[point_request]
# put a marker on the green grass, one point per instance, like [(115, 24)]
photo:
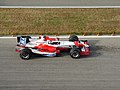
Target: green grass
[(59, 21)]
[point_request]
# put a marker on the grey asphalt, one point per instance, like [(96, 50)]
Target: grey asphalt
[(99, 71), (60, 2)]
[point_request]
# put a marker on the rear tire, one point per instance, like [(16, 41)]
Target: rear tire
[(75, 53), (25, 54)]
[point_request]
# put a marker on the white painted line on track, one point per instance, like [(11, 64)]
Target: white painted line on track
[(59, 6), (91, 36), (67, 37), (7, 37)]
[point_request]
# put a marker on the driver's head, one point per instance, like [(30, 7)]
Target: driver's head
[(41, 37)]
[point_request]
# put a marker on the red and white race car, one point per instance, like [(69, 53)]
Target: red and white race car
[(51, 47)]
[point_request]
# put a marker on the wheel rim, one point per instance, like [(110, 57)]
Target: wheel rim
[(25, 55), (75, 54)]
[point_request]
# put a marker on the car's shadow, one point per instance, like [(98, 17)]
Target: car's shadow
[(95, 50)]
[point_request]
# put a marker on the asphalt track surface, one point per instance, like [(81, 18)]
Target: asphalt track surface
[(60, 2), (99, 71)]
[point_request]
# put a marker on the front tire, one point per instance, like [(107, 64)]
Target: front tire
[(73, 38), (25, 54), (75, 53)]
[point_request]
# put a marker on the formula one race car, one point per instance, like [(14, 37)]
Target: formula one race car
[(47, 46)]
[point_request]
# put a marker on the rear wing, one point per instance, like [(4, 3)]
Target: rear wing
[(23, 40)]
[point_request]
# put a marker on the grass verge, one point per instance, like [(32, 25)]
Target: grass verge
[(59, 21)]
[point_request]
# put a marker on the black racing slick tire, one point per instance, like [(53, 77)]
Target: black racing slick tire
[(25, 54), (73, 38), (75, 53)]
